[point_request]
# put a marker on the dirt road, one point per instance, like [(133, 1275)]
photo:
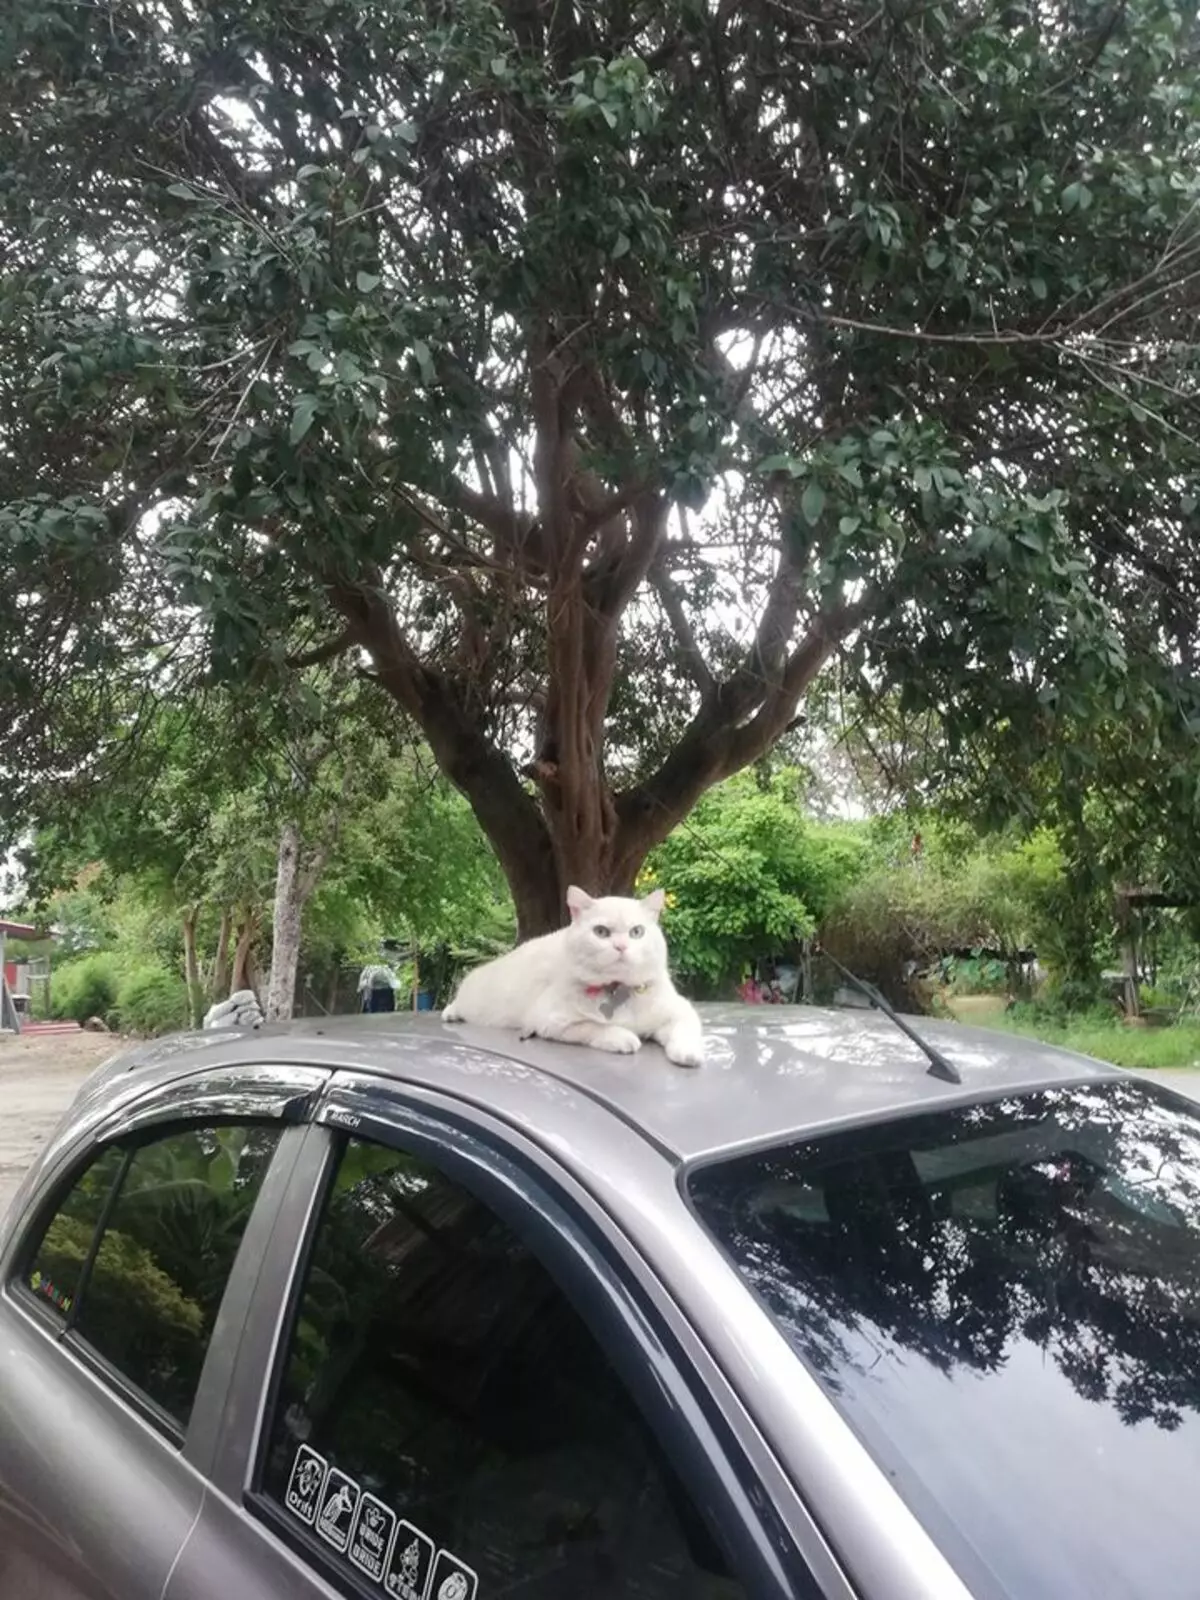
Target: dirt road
[(37, 1079)]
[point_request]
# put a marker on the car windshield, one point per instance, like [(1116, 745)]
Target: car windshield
[(1003, 1300)]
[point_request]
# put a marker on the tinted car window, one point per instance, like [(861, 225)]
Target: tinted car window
[(1004, 1301), (447, 1421), (144, 1292), (56, 1265)]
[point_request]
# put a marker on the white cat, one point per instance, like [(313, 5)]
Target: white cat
[(602, 981)]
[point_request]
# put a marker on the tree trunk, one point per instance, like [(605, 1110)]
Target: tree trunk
[(242, 976), (285, 933), (1127, 936), (576, 829), (191, 967), (295, 880), (221, 973)]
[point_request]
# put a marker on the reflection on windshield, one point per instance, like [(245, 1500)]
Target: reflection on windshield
[(1005, 1302)]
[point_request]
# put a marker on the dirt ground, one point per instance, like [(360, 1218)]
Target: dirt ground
[(38, 1076)]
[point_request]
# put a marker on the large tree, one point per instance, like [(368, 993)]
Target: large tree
[(596, 372)]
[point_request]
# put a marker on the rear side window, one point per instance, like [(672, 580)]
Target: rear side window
[(136, 1258), (56, 1265)]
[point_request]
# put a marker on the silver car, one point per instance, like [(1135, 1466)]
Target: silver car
[(381, 1307)]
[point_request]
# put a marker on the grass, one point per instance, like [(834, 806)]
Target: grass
[(1175, 1046)]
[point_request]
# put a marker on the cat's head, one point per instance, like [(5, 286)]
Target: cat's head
[(615, 940)]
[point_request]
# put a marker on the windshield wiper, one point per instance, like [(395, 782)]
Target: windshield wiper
[(940, 1066)]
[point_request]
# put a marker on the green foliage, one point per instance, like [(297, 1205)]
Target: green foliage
[(133, 997), (747, 876), (965, 894), (903, 299), (417, 856), (82, 918), (151, 1000), (87, 987), (976, 975)]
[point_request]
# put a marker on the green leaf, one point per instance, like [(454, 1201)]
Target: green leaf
[(794, 468), (366, 281), (424, 359), (923, 478), (812, 502), (848, 525), (302, 418), (621, 247)]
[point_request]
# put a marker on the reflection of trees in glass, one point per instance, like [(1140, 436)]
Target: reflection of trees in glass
[(126, 1274), (1069, 1219), (160, 1271), (399, 1246), (187, 1200)]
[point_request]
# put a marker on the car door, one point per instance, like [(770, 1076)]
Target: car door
[(117, 1330), (459, 1393)]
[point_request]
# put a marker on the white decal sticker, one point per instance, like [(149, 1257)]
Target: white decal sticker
[(412, 1562), (452, 1579), (338, 1505), (372, 1537), (305, 1484)]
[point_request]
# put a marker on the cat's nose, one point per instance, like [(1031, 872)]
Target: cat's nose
[(620, 948)]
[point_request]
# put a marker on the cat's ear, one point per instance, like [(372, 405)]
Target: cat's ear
[(654, 902), (577, 901)]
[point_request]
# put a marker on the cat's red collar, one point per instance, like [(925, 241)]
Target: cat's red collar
[(593, 989)]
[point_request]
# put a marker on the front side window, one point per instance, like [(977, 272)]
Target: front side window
[(1004, 1301), (136, 1257), (447, 1424)]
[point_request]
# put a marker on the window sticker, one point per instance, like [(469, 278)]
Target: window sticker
[(339, 1502), (411, 1563), (48, 1290), (305, 1484), (452, 1579), (372, 1537)]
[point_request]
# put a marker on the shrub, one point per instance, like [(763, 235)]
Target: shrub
[(151, 1000), (977, 975), (86, 987), (747, 875)]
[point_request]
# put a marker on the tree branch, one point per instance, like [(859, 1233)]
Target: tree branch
[(722, 738), (506, 812), (685, 636), (329, 651)]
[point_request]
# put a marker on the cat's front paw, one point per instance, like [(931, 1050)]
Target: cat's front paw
[(685, 1048), (621, 1041)]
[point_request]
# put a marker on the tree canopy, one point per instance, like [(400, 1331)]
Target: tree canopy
[(594, 375)]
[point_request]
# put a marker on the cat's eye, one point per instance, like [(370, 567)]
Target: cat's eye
[(600, 931), (636, 931)]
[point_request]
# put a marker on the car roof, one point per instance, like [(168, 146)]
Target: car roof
[(769, 1072)]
